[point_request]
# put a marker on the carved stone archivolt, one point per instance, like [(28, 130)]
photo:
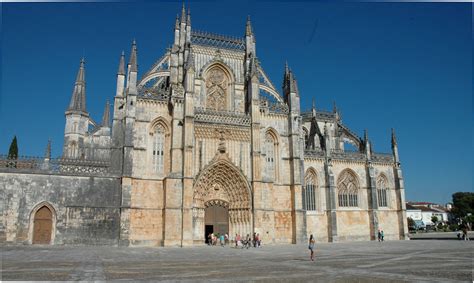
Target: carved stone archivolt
[(218, 202), (222, 183)]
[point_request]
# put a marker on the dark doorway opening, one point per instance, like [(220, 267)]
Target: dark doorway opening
[(208, 230)]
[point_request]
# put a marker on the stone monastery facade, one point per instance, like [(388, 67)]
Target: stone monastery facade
[(203, 142)]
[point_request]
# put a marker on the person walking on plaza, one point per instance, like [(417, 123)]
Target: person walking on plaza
[(237, 240), (464, 234), (311, 246), (381, 235)]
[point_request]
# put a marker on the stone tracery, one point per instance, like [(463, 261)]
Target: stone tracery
[(216, 85), (348, 189)]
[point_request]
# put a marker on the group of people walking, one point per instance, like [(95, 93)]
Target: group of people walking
[(212, 239), (248, 241), (240, 242)]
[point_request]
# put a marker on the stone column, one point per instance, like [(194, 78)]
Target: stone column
[(373, 204)]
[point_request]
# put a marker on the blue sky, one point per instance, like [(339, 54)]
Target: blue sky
[(401, 65)]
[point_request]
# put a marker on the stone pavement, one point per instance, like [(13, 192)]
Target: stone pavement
[(392, 261)]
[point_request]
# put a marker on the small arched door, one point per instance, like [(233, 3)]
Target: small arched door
[(42, 226)]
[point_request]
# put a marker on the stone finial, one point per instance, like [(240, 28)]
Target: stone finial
[(248, 28), (47, 152), (176, 24), (313, 109), (106, 116), (78, 99), (133, 57), (188, 19), (183, 14), (394, 138), (121, 68), (293, 83)]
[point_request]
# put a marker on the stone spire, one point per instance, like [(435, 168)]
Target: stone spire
[(176, 23), (78, 99), (47, 152), (395, 148), (106, 116), (121, 68), (368, 149), (248, 28), (133, 57), (188, 19), (313, 109), (292, 82), (336, 112), (394, 138), (183, 14)]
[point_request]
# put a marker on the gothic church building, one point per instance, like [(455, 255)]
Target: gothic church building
[(202, 142)]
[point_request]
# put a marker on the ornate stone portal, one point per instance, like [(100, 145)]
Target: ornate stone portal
[(222, 184)]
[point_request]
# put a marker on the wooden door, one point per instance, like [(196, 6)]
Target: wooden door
[(43, 226), (218, 217)]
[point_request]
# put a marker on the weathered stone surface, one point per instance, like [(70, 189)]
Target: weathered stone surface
[(394, 261), (86, 209)]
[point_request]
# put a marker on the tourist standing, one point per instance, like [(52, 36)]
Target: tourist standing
[(381, 235), (311, 246), (237, 240), (464, 234), (222, 240)]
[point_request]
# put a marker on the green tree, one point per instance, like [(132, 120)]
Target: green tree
[(434, 219), (463, 203), (13, 150)]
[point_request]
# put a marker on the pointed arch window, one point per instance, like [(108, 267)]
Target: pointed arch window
[(158, 150), (270, 156), (382, 191), (348, 190), (309, 191)]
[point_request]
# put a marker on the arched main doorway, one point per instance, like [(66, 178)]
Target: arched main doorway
[(222, 198), (216, 217), (42, 226)]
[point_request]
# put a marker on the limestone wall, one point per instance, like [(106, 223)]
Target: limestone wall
[(317, 224), (353, 225), (146, 213), (86, 210)]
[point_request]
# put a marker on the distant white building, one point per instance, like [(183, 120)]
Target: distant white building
[(424, 211)]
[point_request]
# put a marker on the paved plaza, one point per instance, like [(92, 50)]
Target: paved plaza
[(392, 261)]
